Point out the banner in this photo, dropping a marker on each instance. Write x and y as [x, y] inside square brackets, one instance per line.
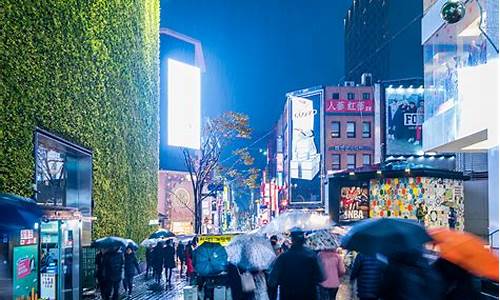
[25, 277]
[354, 203]
[404, 119]
[349, 106]
[222, 239]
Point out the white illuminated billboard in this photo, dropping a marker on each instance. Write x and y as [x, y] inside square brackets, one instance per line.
[184, 111]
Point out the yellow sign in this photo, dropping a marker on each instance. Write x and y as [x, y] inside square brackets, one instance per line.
[222, 239]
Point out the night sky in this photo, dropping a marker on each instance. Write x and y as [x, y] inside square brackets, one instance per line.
[256, 51]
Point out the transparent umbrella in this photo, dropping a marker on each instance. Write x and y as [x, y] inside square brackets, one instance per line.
[150, 242]
[250, 252]
[304, 220]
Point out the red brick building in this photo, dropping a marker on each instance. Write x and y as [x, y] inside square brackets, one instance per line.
[349, 127]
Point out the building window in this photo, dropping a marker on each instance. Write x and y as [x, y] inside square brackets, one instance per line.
[351, 161]
[366, 96]
[335, 129]
[336, 96]
[367, 130]
[350, 96]
[336, 161]
[351, 130]
[367, 159]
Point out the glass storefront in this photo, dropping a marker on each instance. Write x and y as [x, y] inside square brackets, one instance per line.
[451, 55]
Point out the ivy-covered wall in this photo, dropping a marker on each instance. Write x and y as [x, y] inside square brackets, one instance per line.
[87, 71]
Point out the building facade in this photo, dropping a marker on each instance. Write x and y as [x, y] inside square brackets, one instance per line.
[461, 91]
[380, 36]
[349, 127]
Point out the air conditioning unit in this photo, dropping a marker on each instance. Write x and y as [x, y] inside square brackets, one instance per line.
[367, 79]
[349, 83]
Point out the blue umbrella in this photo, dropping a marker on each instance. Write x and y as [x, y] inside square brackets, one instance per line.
[385, 236]
[161, 233]
[17, 212]
[110, 242]
[210, 259]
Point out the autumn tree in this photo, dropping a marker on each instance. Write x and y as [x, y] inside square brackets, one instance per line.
[204, 165]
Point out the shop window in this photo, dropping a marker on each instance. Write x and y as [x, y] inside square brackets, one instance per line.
[367, 159]
[335, 96]
[335, 130]
[336, 161]
[350, 96]
[351, 161]
[367, 130]
[351, 129]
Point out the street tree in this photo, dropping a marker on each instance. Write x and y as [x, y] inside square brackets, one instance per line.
[204, 165]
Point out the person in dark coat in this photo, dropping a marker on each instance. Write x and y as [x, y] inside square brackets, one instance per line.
[169, 261]
[131, 266]
[459, 284]
[157, 260]
[181, 256]
[113, 267]
[409, 276]
[149, 261]
[366, 271]
[234, 282]
[298, 271]
[99, 271]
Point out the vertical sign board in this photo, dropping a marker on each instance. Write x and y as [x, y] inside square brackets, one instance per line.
[25, 279]
[306, 149]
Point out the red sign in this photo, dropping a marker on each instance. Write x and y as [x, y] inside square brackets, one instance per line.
[23, 268]
[349, 106]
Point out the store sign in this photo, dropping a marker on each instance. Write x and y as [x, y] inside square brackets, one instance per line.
[279, 162]
[349, 106]
[26, 237]
[354, 203]
[48, 286]
[222, 239]
[25, 279]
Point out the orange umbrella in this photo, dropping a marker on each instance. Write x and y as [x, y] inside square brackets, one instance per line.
[467, 251]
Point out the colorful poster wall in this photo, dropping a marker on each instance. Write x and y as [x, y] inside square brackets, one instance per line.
[354, 203]
[436, 202]
[25, 279]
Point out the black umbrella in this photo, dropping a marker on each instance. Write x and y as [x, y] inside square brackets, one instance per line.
[385, 236]
[161, 233]
[110, 242]
[210, 259]
[18, 212]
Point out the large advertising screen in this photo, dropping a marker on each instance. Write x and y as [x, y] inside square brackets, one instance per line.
[25, 279]
[354, 202]
[184, 107]
[404, 119]
[305, 150]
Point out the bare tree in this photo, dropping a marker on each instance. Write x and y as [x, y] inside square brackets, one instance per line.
[202, 164]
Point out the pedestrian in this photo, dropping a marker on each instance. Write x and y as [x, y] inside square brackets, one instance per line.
[452, 218]
[113, 268]
[458, 283]
[189, 260]
[168, 261]
[297, 272]
[333, 268]
[130, 268]
[408, 276]
[157, 260]
[99, 271]
[274, 244]
[149, 261]
[366, 271]
[181, 256]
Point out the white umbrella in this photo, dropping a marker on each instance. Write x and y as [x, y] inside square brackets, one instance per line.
[302, 219]
[250, 252]
[150, 242]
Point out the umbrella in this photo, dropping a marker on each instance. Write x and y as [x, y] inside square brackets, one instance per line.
[209, 259]
[466, 251]
[17, 212]
[110, 242]
[385, 236]
[161, 233]
[131, 244]
[251, 252]
[149, 243]
[302, 219]
[323, 240]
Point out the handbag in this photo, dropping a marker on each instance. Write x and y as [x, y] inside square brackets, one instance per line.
[247, 282]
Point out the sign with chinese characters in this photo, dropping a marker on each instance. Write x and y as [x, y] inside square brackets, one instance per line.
[27, 237]
[349, 106]
[48, 286]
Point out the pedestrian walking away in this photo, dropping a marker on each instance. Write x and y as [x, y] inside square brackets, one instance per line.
[130, 268]
[157, 259]
[113, 268]
[181, 256]
[169, 261]
[297, 271]
[99, 271]
[333, 268]
[188, 253]
[149, 260]
[366, 271]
